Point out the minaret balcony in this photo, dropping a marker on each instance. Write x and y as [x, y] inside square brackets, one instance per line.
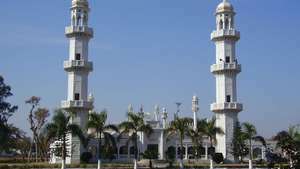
[71, 65]
[82, 30]
[226, 107]
[225, 67]
[225, 33]
[76, 104]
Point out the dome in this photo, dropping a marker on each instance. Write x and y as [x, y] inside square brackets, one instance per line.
[224, 6]
[81, 3]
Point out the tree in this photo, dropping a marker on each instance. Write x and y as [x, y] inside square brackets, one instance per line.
[6, 111]
[289, 146]
[211, 130]
[37, 119]
[23, 145]
[239, 148]
[97, 122]
[179, 127]
[197, 137]
[150, 154]
[171, 155]
[44, 143]
[250, 132]
[13, 134]
[60, 129]
[132, 128]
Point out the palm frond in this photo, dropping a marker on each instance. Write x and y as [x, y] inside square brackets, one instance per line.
[76, 131]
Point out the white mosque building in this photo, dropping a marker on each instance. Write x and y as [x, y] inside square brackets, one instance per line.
[226, 106]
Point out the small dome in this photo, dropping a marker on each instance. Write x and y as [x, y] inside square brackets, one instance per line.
[224, 6]
[82, 3]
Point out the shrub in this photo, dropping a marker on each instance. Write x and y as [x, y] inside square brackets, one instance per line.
[218, 158]
[85, 157]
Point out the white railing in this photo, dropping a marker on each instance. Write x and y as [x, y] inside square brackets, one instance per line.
[76, 104]
[80, 29]
[225, 66]
[78, 63]
[223, 106]
[225, 32]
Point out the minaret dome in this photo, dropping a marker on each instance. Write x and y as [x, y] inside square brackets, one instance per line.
[224, 6]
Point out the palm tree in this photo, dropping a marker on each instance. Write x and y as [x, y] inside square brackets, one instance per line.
[210, 130]
[197, 136]
[60, 128]
[132, 127]
[250, 133]
[294, 132]
[97, 122]
[179, 127]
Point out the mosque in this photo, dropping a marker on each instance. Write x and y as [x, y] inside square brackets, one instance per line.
[226, 107]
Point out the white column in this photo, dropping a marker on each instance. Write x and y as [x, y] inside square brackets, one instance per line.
[195, 121]
[263, 150]
[186, 151]
[161, 145]
[206, 152]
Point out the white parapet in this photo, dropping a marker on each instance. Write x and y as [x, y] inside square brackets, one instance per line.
[220, 68]
[76, 104]
[70, 65]
[71, 30]
[225, 33]
[220, 107]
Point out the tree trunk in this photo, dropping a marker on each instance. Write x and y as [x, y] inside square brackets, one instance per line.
[135, 151]
[181, 153]
[250, 149]
[99, 151]
[150, 164]
[30, 151]
[36, 151]
[63, 161]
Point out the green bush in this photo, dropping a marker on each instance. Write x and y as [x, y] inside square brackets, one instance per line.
[218, 158]
[86, 157]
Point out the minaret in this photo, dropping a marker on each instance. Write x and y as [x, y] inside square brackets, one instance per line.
[226, 107]
[156, 113]
[176, 114]
[162, 139]
[195, 109]
[78, 68]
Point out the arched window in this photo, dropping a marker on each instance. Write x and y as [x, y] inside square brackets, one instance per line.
[179, 149]
[227, 24]
[257, 153]
[211, 150]
[221, 24]
[191, 151]
[78, 20]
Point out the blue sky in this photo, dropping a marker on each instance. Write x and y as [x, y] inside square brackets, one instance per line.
[156, 52]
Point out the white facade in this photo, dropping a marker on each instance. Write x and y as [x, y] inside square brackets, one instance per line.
[78, 68]
[226, 107]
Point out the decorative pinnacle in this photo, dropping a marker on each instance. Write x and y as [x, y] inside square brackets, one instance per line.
[130, 108]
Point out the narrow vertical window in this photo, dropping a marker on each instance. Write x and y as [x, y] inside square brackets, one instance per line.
[77, 56]
[228, 98]
[221, 24]
[227, 59]
[77, 96]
